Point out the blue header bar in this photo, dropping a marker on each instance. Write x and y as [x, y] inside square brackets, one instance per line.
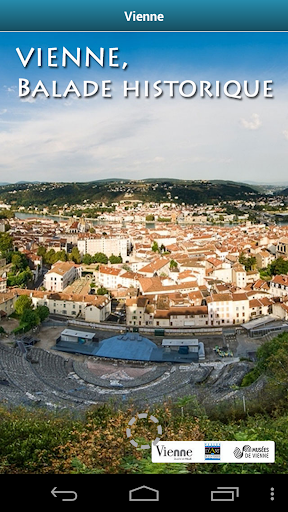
[183, 15]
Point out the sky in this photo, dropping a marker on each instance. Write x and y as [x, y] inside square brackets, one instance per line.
[85, 139]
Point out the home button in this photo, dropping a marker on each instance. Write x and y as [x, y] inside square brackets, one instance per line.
[143, 493]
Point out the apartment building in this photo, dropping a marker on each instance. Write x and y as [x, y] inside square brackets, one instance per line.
[107, 245]
[108, 277]
[228, 308]
[61, 274]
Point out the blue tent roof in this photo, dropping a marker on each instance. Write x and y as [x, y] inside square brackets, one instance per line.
[127, 346]
[130, 346]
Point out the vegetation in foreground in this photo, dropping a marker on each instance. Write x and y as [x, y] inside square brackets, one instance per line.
[45, 442]
[42, 442]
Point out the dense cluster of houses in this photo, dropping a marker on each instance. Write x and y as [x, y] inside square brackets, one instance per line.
[172, 275]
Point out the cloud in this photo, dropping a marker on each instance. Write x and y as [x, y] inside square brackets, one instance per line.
[10, 89]
[117, 138]
[3, 111]
[28, 99]
[253, 124]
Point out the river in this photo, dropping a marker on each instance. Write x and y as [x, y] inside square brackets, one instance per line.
[95, 222]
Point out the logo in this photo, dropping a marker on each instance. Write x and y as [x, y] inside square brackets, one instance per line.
[176, 454]
[212, 451]
[133, 420]
[239, 454]
[252, 452]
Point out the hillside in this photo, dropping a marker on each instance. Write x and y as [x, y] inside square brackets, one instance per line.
[283, 192]
[109, 191]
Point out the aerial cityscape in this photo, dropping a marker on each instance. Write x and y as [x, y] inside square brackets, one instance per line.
[145, 301]
[143, 256]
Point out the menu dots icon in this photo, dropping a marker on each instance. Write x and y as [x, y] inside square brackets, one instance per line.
[272, 493]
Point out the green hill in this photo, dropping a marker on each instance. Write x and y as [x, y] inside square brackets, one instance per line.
[108, 191]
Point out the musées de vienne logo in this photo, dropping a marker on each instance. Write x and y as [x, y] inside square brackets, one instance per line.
[248, 452]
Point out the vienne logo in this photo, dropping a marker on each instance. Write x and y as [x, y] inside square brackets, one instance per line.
[239, 454]
[175, 454]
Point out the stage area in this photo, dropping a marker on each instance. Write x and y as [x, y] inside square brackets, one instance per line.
[128, 346]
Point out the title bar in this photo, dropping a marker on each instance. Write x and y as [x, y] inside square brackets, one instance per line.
[183, 15]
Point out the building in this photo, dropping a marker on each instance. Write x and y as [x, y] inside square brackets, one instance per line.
[279, 285]
[34, 262]
[119, 246]
[264, 258]
[280, 310]
[185, 346]
[7, 301]
[228, 308]
[282, 248]
[77, 336]
[90, 308]
[61, 275]
[3, 284]
[239, 277]
[260, 307]
[156, 267]
[108, 277]
[156, 285]
[159, 311]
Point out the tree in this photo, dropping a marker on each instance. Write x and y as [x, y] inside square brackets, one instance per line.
[16, 261]
[100, 257]
[29, 319]
[20, 279]
[48, 257]
[22, 303]
[59, 256]
[150, 217]
[87, 259]
[173, 264]
[249, 262]
[19, 262]
[75, 255]
[102, 291]
[278, 266]
[155, 247]
[115, 259]
[42, 312]
[6, 244]
[272, 360]
[41, 251]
